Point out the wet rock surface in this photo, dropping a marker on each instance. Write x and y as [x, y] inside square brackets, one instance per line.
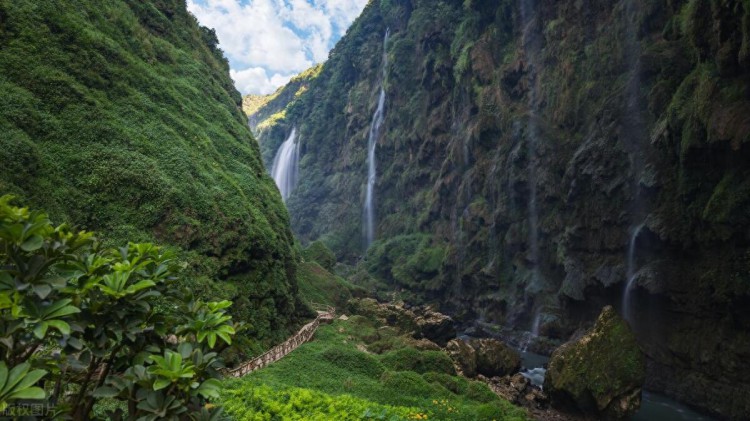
[494, 358]
[599, 375]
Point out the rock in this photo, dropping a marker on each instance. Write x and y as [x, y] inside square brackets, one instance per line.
[463, 356]
[494, 358]
[420, 322]
[518, 390]
[435, 326]
[389, 314]
[600, 374]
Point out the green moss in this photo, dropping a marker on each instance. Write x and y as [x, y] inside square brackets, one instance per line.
[354, 361]
[121, 117]
[410, 359]
[730, 199]
[318, 252]
[598, 368]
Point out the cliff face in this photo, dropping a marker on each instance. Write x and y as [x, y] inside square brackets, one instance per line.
[120, 117]
[536, 156]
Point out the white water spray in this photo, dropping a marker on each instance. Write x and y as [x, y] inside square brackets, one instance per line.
[285, 165]
[631, 269]
[377, 122]
[534, 333]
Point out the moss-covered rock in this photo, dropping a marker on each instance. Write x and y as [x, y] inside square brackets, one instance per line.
[494, 358]
[601, 374]
[436, 327]
[464, 356]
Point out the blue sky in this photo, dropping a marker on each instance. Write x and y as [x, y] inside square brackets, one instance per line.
[269, 41]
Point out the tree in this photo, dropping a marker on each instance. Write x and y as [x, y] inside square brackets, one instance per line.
[87, 323]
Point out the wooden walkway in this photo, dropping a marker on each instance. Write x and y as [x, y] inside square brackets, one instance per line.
[283, 349]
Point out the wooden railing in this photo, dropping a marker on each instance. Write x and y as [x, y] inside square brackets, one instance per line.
[283, 349]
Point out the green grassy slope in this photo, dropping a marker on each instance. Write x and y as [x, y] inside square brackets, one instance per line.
[334, 368]
[120, 116]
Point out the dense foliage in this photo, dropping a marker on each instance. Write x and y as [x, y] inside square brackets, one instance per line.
[89, 322]
[120, 117]
[339, 375]
[257, 402]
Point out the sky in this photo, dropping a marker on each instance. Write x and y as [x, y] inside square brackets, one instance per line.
[267, 42]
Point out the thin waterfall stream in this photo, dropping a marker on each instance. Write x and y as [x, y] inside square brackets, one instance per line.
[372, 141]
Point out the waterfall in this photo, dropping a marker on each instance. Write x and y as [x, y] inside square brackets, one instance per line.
[372, 141]
[631, 269]
[529, 337]
[532, 47]
[634, 140]
[285, 165]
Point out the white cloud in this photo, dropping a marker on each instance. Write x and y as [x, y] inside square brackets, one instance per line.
[268, 41]
[255, 80]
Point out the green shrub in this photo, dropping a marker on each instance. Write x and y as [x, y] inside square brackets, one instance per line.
[104, 311]
[455, 384]
[318, 252]
[249, 402]
[480, 392]
[410, 359]
[409, 383]
[353, 361]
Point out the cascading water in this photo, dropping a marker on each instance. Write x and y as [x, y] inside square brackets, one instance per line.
[377, 122]
[285, 165]
[531, 45]
[634, 136]
[534, 333]
[631, 269]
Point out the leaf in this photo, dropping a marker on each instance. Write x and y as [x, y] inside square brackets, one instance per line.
[6, 280]
[161, 384]
[59, 309]
[31, 378]
[62, 326]
[209, 388]
[41, 330]
[42, 290]
[35, 242]
[105, 392]
[28, 393]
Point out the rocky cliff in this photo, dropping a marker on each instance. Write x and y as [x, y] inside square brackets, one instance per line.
[535, 157]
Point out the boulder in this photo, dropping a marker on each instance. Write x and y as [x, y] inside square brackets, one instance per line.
[435, 326]
[600, 374]
[463, 356]
[494, 358]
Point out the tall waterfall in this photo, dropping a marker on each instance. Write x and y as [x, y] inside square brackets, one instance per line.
[377, 122]
[285, 165]
[532, 47]
[635, 139]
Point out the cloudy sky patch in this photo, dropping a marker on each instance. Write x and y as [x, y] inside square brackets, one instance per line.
[269, 41]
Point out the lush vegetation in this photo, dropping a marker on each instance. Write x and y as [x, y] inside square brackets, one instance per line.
[339, 376]
[120, 117]
[80, 323]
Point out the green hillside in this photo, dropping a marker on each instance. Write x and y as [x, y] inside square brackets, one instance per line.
[120, 117]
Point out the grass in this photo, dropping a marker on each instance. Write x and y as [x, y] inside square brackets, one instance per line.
[336, 367]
